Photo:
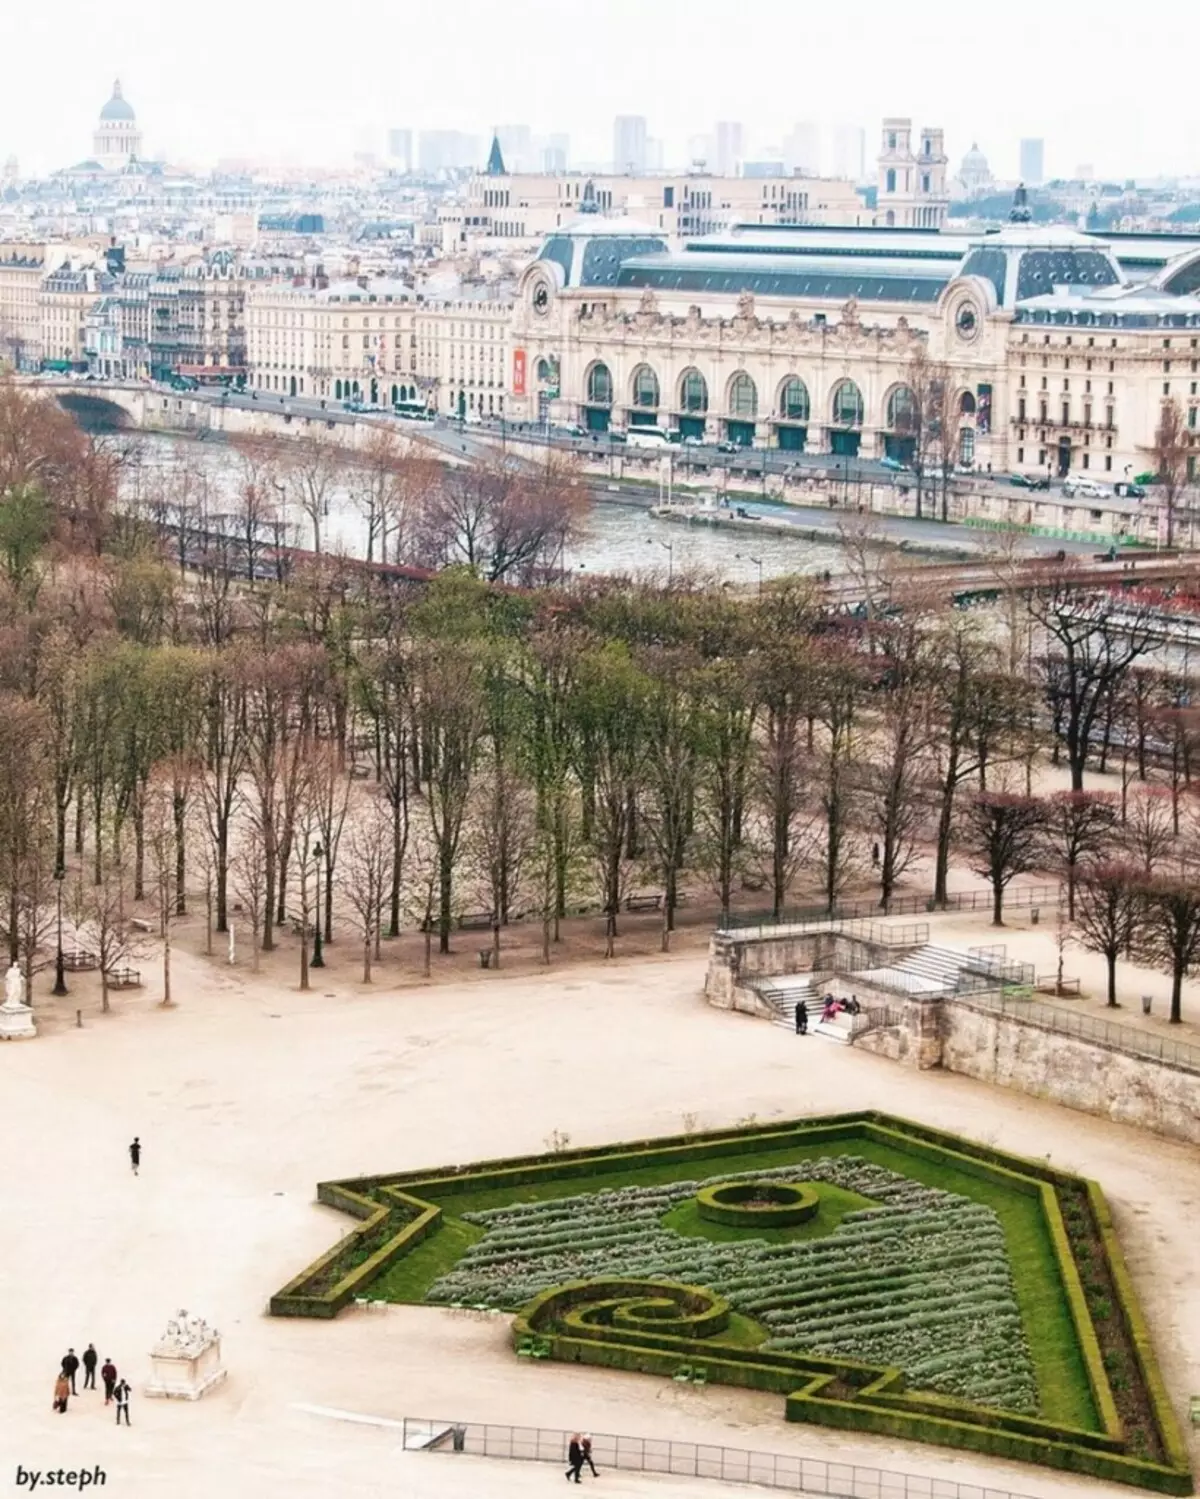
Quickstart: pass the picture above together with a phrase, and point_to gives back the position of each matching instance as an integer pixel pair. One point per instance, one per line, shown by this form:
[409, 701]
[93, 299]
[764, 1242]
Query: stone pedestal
[16, 1023]
[186, 1360]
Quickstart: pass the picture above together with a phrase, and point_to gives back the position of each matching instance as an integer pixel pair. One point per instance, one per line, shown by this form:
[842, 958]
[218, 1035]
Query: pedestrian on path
[586, 1445]
[62, 1388]
[575, 1458]
[801, 1018]
[135, 1154]
[70, 1367]
[90, 1360]
[122, 1396]
[108, 1373]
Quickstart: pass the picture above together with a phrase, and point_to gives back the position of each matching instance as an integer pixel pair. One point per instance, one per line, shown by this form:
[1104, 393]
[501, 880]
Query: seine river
[618, 538]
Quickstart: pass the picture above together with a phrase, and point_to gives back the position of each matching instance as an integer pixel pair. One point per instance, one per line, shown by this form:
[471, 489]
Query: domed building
[117, 140]
[975, 175]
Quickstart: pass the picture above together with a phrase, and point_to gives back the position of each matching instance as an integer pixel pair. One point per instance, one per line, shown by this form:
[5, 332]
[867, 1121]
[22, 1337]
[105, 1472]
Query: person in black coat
[801, 1018]
[90, 1360]
[575, 1458]
[70, 1367]
[135, 1154]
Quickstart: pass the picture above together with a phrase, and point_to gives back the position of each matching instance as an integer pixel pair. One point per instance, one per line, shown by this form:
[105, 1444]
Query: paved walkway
[245, 1095]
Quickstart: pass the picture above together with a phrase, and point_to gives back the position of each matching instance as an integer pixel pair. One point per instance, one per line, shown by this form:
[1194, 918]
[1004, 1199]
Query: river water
[617, 537]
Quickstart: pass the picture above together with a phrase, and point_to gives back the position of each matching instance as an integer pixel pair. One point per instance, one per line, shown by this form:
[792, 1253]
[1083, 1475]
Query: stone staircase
[925, 970]
[785, 992]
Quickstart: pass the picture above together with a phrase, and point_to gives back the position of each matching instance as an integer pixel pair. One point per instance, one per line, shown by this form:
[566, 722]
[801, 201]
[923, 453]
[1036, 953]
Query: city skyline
[324, 98]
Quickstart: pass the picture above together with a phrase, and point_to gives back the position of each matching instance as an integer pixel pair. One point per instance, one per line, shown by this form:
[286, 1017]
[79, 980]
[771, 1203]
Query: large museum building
[1061, 347]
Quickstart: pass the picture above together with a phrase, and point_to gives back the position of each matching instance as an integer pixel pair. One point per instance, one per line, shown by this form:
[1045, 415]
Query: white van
[649, 437]
[1085, 487]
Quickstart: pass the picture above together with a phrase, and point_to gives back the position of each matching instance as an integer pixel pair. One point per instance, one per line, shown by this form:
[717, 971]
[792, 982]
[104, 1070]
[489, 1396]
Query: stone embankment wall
[736, 960]
[1013, 1051]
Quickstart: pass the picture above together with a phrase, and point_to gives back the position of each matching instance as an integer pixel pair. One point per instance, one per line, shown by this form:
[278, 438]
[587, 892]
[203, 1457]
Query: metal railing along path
[1130, 1039]
[777, 1470]
[901, 905]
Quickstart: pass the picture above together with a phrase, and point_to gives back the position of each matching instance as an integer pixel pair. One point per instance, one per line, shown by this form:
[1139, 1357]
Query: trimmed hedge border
[779, 1205]
[644, 1325]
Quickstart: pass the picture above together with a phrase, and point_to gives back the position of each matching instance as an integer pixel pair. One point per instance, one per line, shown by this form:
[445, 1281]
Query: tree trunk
[1112, 980]
[179, 804]
[997, 903]
[1177, 993]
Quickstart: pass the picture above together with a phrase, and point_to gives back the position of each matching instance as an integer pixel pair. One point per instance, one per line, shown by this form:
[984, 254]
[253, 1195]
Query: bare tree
[330, 792]
[160, 844]
[1080, 826]
[312, 471]
[1004, 837]
[107, 931]
[248, 876]
[1169, 932]
[366, 871]
[1107, 913]
[1171, 449]
[1147, 835]
[1093, 639]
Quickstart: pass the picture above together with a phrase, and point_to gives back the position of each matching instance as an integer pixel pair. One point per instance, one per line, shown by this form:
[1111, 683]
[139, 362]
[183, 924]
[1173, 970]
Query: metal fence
[901, 905]
[804, 1475]
[1126, 1038]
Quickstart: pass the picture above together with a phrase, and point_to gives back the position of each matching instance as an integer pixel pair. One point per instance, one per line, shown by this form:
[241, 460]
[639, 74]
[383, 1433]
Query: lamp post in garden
[318, 960]
[60, 980]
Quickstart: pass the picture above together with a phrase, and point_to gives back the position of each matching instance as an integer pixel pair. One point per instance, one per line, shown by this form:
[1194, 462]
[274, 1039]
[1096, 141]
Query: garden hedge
[783, 1204]
[653, 1327]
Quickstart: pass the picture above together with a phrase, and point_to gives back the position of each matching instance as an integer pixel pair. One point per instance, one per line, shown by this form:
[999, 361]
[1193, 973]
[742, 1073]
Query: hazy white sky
[1103, 83]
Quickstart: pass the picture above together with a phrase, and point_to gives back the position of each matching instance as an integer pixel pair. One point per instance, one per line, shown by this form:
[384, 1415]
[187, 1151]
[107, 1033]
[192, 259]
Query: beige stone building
[463, 355]
[67, 299]
[373, 340]
[527, 206]
[340, 341]
[1058, 357]
[22, 267]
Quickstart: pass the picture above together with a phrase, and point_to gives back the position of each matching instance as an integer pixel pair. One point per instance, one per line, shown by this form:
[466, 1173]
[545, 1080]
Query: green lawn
[835, 1203]
[1062, 1382]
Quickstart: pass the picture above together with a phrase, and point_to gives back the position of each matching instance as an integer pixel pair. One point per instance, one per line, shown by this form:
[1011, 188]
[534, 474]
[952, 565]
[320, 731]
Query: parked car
[1129, 491]
[1020, 481]
[692, 442]
[725, 446]
[892, 463]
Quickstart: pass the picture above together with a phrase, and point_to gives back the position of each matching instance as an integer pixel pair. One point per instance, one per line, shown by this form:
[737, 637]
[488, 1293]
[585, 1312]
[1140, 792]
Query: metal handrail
[1129, 1039]
[901, 905]
[777, 1470]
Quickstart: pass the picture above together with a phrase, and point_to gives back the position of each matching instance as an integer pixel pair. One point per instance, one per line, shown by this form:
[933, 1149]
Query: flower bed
[758, 1204]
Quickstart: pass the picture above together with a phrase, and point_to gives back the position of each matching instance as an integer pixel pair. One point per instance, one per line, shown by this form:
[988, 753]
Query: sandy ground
[248, 1092]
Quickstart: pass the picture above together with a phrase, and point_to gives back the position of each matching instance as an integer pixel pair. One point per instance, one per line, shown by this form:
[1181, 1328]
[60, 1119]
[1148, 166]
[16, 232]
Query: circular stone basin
[764, 1204]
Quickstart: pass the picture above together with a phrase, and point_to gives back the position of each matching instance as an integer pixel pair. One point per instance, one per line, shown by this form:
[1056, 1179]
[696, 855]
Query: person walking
[122, 1398]
[586, 1447]
[70, 1367]
[62, 1388]
[575, 1458]
[90, 1360]
[801, 1018]
[135, 1154]
[108, 1373]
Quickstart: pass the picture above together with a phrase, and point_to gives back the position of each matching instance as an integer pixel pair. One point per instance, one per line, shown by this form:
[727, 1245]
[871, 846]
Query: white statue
[14, 988]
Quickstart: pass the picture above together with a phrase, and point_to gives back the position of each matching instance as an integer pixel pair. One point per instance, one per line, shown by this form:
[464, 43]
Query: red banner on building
[518, 383]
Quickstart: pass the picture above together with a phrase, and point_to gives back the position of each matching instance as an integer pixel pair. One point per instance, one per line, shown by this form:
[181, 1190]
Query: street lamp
[60, 980]
[318, 960]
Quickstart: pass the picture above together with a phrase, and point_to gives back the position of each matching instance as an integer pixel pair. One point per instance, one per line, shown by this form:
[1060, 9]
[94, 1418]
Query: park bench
[80, 960]
[643, 902]
[359, 771]
[475, 921]
[140, 925]
[123, 978]
[301, 928]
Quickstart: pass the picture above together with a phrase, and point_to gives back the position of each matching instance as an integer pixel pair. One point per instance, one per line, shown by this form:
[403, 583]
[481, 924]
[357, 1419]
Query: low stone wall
[1015, 1051]
[737, 960]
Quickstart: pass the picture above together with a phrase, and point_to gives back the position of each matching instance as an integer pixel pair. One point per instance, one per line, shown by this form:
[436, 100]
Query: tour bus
[415, 410]
[651, 437]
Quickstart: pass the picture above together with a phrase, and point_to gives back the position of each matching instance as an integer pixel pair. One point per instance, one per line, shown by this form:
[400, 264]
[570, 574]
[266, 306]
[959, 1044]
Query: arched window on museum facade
[847, 406]
[900, 413]
[743, 396]
[645, 388]
[693, 392]
[793, 400]
[599, 385]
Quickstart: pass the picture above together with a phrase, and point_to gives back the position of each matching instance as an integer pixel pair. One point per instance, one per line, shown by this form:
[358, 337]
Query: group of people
[579, 1451]
[831, 1007]
[114, 1389]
